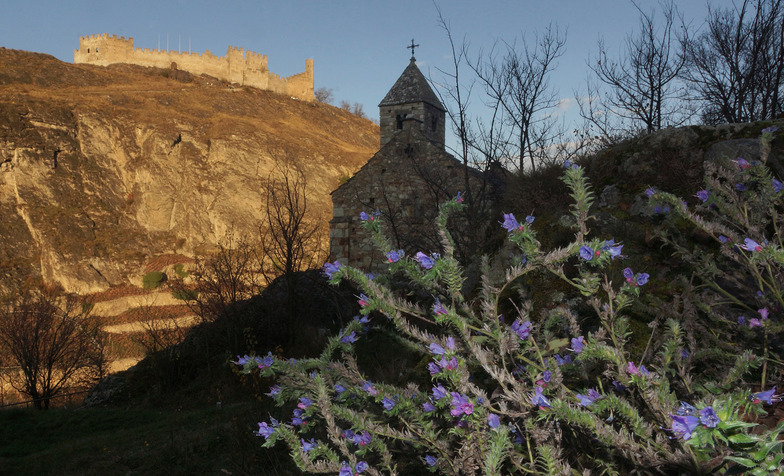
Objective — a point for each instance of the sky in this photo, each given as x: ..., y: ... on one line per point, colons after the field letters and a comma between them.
x: 358, y: 47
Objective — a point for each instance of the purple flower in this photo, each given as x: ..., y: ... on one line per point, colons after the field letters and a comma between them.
x: 741, y: 187
x: 345, y: 470
x: 777, y: 186
x: 586, y: 400
x: 566, y: 359
x: 461, y: 405
x: 643, y: 371
x: 388, y: 403
x: 424, y: 260
x: 586, y: 253
x: 339, y: 388
x: 619, y: 387
x: 369, y: 388
x: 274, y: 390
x: 361, y: 439
x: 751, y: 245
x: 510, y: 223
x: 767, y: 396
x: 297, y: 419
x: 265, y: 430
x: 611, y: 248
x: 638, y: 280
x: 267, y: 361
x: 439, y: 308
x: 308, y: 445
x: 770, y: 130
x: 547, y: 376
x: 450, y: 364
x: 742, y: 163
x: 703, y: 195
x: 459, y: 197
x: 350, y: 338
x: 243, y: 360
x: 540, y: 400
x: 650, y: 191
x: 754, y: 322
x: 439, y: 392
x: 304, y: 403
x: 708, y: 417
x: 363, y: 300
x: 724, y: 239
x: 433, y: 368
x: 431, y: 460
x: 742, y: 320
x: 428, y: 407
x: 394, y: 256
x: 577, y: 344
x: 365, y: 217
x: 522, y: 329
x: 331, y: 268
x: 683, y: 426
x: 361, y: 466
x: 632, y: 369
x: 450, y: 343
x: 493, y: 420
x: 437, y: 349
x: 764, y: 313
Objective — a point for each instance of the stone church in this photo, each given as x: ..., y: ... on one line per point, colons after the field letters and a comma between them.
x: 405, y: 181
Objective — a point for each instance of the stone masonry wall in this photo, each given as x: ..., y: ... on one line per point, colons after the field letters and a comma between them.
x: 405, y: 181
x: 238, y: 66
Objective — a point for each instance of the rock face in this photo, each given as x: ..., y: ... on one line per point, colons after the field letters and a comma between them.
x: 104, y: 168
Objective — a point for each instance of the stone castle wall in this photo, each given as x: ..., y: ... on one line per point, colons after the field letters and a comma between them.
x: 238, y: 66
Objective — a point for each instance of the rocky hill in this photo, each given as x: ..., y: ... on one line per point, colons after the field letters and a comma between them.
x: 104, y: 169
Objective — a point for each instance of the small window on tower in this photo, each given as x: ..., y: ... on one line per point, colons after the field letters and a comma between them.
x: 399, y: 119
x: 433, y: 123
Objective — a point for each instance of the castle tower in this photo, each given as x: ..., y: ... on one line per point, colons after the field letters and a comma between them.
x: 411, y: 103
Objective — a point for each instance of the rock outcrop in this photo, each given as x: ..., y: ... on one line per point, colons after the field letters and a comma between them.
x: 105, y: 168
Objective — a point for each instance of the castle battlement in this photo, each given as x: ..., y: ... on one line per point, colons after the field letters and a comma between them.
x: 238, y: 66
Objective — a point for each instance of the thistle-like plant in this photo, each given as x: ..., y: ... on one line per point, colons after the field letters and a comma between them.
x: 507, y: 385
x: 739, y: 265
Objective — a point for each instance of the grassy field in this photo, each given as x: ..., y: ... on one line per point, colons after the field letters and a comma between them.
x: 119, y: 441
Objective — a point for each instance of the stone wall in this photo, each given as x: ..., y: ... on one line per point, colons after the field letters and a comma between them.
x: 238, y: 66
x: 405, y: 181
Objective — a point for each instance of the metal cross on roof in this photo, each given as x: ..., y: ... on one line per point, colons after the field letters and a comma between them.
x: 411, y: 47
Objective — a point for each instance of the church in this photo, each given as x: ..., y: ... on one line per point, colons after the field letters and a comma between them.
x: 405, y: 181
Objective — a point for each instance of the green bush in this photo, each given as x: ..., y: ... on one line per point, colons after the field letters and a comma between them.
x: 180, y: 271
x: 522, y: 385
x: 154, y: 279
x: 185, y: 294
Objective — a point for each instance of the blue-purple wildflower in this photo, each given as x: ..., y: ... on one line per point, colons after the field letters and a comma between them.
x: 683, y: 426
x: 703, y: 195
x: 394, y: 256
x: 461, y: 405
x: 590, y: 398
x: 265, y: 430
x: 493, y: 420
x: 539, y: 400
x: 424, y: 260
x: 577, y: 344
x: 709, y: 418
x: 331, y: 268
x: 522, y: 329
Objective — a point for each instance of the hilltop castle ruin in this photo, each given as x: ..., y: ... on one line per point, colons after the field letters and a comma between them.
x: 238, y: 66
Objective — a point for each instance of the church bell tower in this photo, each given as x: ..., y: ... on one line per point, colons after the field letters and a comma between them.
x: 412, y: 104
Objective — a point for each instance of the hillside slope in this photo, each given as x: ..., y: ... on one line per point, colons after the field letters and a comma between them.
x: 104, y: 168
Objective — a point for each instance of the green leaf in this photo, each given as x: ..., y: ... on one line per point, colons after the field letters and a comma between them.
x: 741, y: 461
x: 742, y: 439
x: 557, y: 344
x: 727, y: 426
x: 765, y: 450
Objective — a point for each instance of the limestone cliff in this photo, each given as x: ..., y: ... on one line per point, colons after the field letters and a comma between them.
x: 105, y: 168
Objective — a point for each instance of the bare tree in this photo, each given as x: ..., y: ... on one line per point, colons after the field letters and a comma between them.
x: 358, y: 110
x: 290, y: 239
x: 324, y: 95
x: 516, y: 81
x: 735, y: 66
x: 53, y: 340
x: 221, y: 280
x: 642, y: 91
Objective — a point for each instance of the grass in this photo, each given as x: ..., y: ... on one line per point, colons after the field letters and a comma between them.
x: 141, y: 441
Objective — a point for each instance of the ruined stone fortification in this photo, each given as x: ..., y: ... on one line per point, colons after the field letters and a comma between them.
x: 238, y: 66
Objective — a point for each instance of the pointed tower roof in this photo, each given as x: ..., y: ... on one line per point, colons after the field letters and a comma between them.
x: 411, y: 87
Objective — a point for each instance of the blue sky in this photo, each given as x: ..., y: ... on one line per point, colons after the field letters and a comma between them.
x: 359, y: 47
